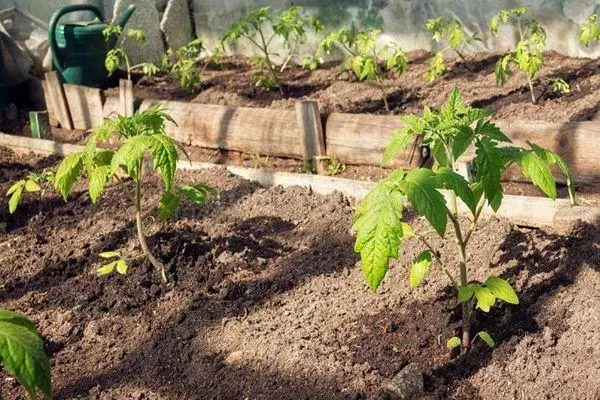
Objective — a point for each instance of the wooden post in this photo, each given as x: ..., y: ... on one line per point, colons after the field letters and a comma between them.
x: 126, y: 97
x: 58, y: 100
x: 311, y: 132
x: 39, y: 122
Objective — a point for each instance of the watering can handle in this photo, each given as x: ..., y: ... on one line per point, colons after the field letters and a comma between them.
x: 54, y: 21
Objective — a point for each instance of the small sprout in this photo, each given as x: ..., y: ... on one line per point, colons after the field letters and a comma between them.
x: 119, y: 264
x: 486, y: 338
x: 560, y: 86
x: 34, y: 183
x: 453, y: 342
x: 335, y: 166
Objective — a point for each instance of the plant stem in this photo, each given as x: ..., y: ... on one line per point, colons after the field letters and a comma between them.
x: 383, y: 94
x: 140, y: 231
x: 265, y: 50
x: 530, y: 82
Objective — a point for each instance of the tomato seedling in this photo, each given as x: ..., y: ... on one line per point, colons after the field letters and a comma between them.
x: 290, y: 26
x: 589, y: 31
x: 451, y: 33
x: 380, y: 230
x: 33, y: 183
x: 363, y: 56
x: 141, y: 133
x: 22, y: 354
x: 117, y: 57
x: 527, y: 56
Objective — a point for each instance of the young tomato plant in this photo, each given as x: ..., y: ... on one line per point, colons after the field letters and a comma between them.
x: 451, y: 33
x: 117, y: 58
x: 290, y: 26
x: 364, y: 56
x: 589, y: 31
x: 527, y: 56
x: 22, y: 354
x: 141, y: 133
x: 182, y: 64
x: 378, y: 223
x: 33, y: 183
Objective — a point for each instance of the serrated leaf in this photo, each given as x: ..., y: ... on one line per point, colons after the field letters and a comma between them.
x: 489, y: 129
x: 67, y: 173
x: 22, y: 353
x: 485, y: 298
x: 453, y: 342
x: 165, y: 158
x: 485, y: 337
x: 167, y: 204
x: 32, y: 186
x: 420, y: 186
x: 419, y: 269
x: 130, y: 153
x: 490, y: 168
x: 378, y: 227
x: 199, y: 194
x: 454, y: 105
x: 462, y: 141
x: 457, y: 183
x: 539, y: 172
x: 502, y: 290
x: 121, y: 267
x: 109, y: 254
x: 399, y: 142
x: 98, y: 178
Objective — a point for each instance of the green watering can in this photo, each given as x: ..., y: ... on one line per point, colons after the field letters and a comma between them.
x: 79, y: 49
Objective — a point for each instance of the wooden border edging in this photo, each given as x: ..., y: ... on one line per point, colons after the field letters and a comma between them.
x: 534, y: 212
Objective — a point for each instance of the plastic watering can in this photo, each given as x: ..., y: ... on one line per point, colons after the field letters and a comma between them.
x: 79, y: 49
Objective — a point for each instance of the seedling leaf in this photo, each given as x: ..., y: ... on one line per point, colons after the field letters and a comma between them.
x: 502, y: 290
x: 453, y: 342
x: 420, y: 269
x: 167, y: 204
x: 484, y: 336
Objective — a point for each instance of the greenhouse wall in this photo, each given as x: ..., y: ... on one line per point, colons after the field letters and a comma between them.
x: 402, y: 21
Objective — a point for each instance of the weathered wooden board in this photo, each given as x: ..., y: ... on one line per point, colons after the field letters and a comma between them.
x: 85, y: 105
x: 361, y: 139
x: 56, y: 101
x: 251, y: 130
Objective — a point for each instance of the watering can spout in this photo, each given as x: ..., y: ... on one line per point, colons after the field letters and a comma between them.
x: 122, y: 19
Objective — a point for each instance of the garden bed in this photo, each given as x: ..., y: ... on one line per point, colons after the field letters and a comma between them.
x: 232, y: 84
x: 270, y: 302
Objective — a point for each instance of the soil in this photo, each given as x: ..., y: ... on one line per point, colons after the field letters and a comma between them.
x: 232, y: 83
x: 270, y: 302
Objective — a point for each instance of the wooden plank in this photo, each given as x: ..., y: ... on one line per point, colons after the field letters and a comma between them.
x: 50, y: 104
x: 126, y: 97
x: 361, y: 139
x: 57, y: 99
x: 534, y: 212
x: 85, y: 105
x: 311, y: 130
x: 251, y: 130
x: 111, y: 107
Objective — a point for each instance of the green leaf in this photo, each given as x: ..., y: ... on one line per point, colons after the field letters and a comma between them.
x: 454, y: 106
x: 484, y: 336
x: 420, y: 186
x: 16, y: 193
x: 539, y: 172
x: 167, y: 204
x: 121, y: 267
x: 453, y: 342
x: 199, y: 194
x: 502, y: 290
x: 465, y: 293
x: 98, y: 178
x: 22, y: 353
x: 457, y: 183
x: 378, y: 227
x: 165, y: 158
x: 436, y: 67
x: 67, y: 173
x: 109, y: 254
x: 485, y: 298
x: 490, y: 168
x: 107, y: 269
x: 489, y: 129
x: 419, y: 269
x: 399, y: 142
x: 130, y: 154
x: 32, y: 186
x: 462, y: 141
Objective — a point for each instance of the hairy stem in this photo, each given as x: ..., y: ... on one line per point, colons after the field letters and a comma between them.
x: 383, y: 94
x: 142, y: 237
x: 533, y: 98
x: 265, y: 49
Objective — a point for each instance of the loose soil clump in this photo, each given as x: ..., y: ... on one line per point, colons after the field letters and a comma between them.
x: 270, y: 302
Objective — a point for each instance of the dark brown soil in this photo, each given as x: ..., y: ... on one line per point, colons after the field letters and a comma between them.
x: 270, y: 302
x: 232, y: 83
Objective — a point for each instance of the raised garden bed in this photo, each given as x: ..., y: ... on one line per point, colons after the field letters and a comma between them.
x: 270, y: 302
